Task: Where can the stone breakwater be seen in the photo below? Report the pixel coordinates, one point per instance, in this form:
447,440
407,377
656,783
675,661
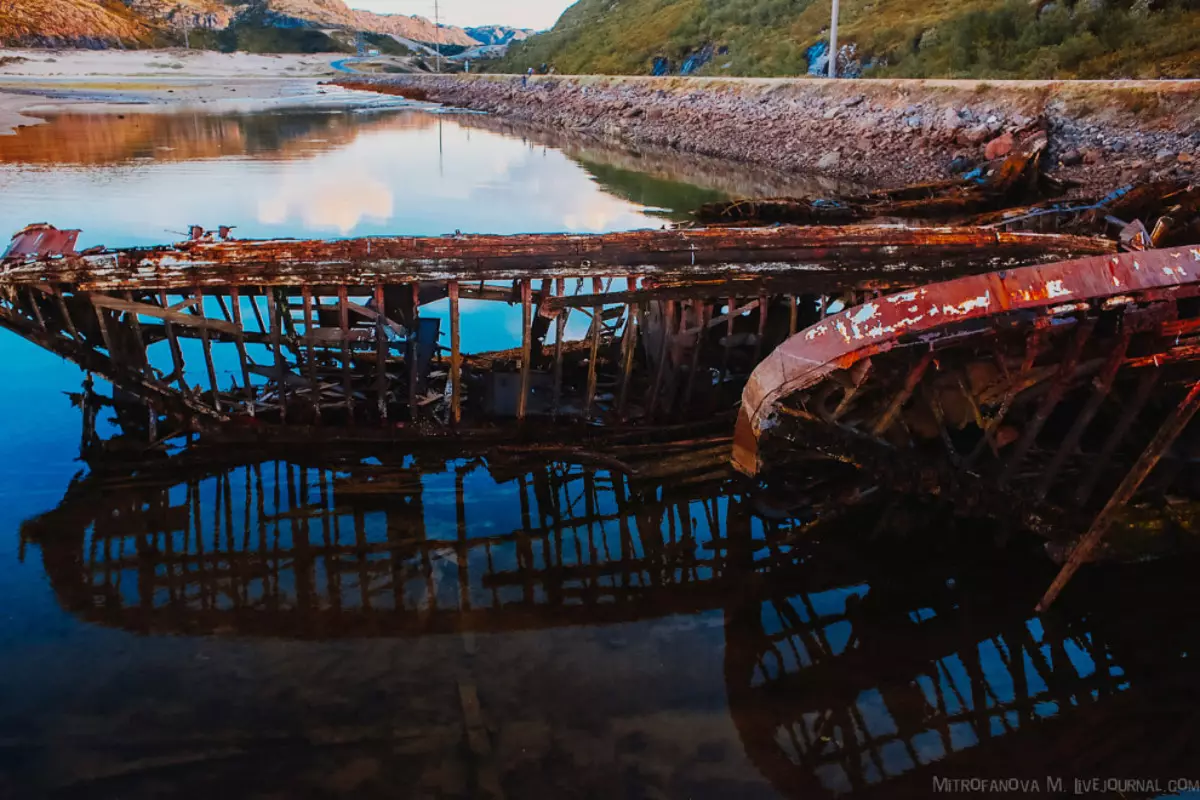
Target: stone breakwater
885,132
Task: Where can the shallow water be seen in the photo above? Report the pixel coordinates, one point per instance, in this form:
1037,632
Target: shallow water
477,624
137,178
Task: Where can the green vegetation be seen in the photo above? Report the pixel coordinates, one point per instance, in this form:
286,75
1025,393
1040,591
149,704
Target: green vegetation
895,38
387,45
256,39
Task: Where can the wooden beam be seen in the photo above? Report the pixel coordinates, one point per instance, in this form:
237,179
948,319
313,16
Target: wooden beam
195,320
235,299
208,359
176,351
412,352
311,352
597,324
664,350
455,355
560,328
686,253
1162,441
281,367
526,346
697,346
381,354
347,377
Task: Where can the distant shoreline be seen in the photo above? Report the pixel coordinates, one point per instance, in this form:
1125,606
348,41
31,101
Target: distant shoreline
884,132
40,81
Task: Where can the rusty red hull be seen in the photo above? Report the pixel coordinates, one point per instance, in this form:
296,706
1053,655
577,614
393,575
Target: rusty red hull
854,335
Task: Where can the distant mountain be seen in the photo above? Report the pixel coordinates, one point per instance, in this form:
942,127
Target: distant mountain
498,34
336,14
145,23
886,38
87,23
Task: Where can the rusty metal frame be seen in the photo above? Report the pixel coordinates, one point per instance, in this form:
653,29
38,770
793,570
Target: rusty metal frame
857,333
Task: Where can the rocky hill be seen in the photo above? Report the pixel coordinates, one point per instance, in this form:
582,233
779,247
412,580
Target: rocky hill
51,23
133,23
886,38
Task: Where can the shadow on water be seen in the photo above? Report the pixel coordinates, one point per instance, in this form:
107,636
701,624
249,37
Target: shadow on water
869,644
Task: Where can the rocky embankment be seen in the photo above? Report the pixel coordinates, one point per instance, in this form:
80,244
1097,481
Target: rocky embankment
886,132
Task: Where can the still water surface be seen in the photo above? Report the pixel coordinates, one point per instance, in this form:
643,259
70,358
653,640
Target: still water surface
433,624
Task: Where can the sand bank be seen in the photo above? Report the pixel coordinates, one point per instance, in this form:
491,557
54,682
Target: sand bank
33,81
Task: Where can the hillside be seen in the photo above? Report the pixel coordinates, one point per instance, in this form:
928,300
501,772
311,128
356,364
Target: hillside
59,22
135,23
888,38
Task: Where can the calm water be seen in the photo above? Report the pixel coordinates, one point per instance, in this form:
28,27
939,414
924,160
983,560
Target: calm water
466,624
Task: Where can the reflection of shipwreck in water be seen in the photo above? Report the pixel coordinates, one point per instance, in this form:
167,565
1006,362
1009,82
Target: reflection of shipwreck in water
971,360
879,688
346,543
845,675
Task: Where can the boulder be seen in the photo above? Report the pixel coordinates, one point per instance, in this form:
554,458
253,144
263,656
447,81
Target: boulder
960,164
1071,158
951,121
999,147
975,135
829,160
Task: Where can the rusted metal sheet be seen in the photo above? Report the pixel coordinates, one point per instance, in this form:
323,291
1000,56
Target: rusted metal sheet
683,254
847,338
41,240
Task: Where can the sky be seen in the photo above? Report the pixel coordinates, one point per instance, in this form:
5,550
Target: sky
537,14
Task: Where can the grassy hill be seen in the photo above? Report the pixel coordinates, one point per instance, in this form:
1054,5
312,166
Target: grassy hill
894,38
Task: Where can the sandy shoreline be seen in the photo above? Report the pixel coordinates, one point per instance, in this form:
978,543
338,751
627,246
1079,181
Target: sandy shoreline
43,81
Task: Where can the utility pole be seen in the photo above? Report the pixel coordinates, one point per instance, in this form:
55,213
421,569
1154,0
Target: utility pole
437,33
833,45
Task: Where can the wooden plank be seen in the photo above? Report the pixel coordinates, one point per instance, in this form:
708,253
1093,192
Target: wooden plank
728,317
177,317
311,352
455,355
136,325
1162,441
629,349
208,359
281,367
347,376
697,346
659,253
560,328
381,354
104,334
763,307
664,350
66,314
176,350
526,347
235,299
412,352
597,324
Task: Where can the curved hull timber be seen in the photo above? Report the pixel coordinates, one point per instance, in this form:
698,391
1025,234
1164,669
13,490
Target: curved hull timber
1047,393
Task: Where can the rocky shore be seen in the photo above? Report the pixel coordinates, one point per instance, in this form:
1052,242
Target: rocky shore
882,132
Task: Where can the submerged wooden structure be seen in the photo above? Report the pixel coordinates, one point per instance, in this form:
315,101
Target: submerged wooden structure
312,337
978,355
